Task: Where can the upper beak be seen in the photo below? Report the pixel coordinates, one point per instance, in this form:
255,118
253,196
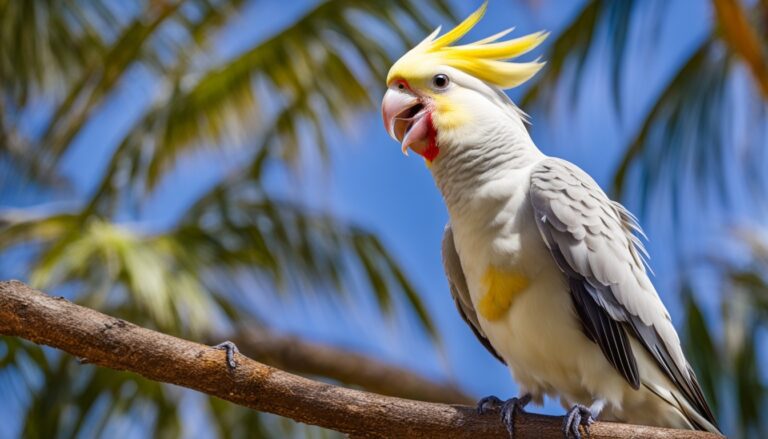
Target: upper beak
404,119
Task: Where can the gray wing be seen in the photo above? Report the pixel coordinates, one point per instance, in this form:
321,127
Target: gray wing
593,241
460,291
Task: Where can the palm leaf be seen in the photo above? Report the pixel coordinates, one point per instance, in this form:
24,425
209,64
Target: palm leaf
729,366
90,69
43,44
684,127
687,138
167,280
573,47
308,65
308,77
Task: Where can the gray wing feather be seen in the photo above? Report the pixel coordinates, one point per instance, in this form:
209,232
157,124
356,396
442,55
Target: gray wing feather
593,241
460,291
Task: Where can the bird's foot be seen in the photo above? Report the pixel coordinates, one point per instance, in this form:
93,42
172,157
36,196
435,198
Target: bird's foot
578,415
231,350
488,403
509,408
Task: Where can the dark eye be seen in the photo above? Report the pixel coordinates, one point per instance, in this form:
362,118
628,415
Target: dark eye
440,81
401,86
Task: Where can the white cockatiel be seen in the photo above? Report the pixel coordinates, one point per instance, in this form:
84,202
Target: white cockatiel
543,266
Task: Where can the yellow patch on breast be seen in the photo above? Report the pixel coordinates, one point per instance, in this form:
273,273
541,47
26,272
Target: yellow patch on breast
502,288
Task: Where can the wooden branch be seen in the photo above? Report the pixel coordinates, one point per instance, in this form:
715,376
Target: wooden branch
117,344
297,355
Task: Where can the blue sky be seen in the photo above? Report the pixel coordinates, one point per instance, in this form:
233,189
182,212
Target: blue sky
369,182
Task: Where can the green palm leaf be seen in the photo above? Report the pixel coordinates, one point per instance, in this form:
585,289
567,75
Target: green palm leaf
309,66
687,137
730,365
570,51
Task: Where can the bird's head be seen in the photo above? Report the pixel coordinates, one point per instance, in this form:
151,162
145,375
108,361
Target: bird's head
438,93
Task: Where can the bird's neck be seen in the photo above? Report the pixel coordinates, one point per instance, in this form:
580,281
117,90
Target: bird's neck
465,173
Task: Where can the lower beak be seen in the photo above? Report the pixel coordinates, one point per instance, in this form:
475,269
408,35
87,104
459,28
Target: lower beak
405,120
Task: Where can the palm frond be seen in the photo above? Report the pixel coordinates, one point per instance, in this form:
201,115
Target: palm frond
687,139
169,280
309,72
685,126
310,77
44,43
239,227
729,365
688,143
701,349
113,48
573,47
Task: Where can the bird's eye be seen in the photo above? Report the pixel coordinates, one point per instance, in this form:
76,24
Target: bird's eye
400,86
440,81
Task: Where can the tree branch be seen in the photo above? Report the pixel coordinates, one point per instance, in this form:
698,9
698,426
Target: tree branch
297,355
114,343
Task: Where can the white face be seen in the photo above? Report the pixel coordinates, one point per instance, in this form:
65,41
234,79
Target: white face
448,108
469,110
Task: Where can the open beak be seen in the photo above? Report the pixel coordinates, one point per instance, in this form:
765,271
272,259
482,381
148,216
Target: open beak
405,120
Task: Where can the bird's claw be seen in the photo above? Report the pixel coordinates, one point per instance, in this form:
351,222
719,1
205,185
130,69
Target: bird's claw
231,350
578,415
488,403
509,409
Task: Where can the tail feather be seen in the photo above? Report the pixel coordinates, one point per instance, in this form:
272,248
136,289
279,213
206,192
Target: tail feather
687,412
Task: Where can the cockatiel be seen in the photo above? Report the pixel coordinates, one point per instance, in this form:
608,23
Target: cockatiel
542,265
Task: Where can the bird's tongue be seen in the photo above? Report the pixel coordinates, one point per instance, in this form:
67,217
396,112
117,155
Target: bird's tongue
419,136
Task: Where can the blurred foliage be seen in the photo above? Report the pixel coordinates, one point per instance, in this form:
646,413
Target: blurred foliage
731,364
272,103
688,142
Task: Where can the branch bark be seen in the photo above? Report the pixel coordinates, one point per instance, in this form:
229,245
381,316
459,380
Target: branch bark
299,356
117,344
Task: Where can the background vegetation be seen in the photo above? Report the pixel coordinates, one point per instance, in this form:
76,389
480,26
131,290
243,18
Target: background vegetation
252,106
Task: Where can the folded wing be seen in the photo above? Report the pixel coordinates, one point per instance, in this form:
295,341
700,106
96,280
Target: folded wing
593,241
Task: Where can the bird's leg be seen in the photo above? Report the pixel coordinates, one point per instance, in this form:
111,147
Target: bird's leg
231,350
509,408
578,415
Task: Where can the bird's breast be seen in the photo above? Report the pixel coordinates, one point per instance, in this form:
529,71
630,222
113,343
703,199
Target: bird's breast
500,289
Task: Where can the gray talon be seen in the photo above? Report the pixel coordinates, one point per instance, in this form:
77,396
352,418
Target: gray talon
231,350
511,408
578,415
488,403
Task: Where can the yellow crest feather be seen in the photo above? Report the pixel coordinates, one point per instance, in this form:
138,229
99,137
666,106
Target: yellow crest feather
486,59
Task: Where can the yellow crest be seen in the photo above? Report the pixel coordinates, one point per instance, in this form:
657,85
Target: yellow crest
486,59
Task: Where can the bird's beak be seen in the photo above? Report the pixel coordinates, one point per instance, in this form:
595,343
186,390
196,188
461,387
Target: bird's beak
405,120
